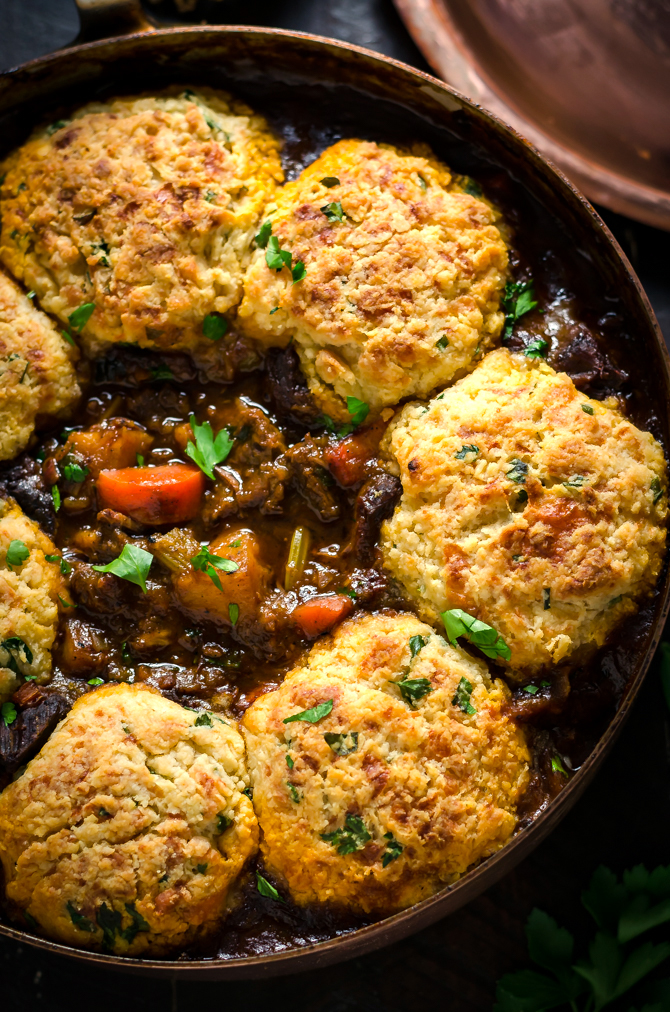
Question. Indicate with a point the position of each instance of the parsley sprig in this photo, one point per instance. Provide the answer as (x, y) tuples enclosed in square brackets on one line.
[(208, 451), (17, 553), (518, 299), (351, 837), (133, 565), (208, 563), (277, 258), (358, 412), (458, 623), (313, 715), (623, 911), (333, 212)]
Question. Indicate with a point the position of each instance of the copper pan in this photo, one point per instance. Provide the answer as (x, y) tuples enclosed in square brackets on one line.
[(368, 95), (587, 81)]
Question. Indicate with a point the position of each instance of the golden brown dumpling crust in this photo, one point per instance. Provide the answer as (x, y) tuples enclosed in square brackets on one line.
[(434, 788), (145, 206), (36, 372), (29, 592), (399, 296), (128, 831), (551, 529)]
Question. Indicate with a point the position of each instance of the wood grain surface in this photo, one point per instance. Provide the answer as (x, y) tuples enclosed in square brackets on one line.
[(623, 819)]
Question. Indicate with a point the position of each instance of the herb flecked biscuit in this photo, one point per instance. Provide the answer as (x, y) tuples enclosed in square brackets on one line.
[(29, 591), (407, 780), (128, 831), (145, 207), (403, 275), (36, 372), (527, 504)]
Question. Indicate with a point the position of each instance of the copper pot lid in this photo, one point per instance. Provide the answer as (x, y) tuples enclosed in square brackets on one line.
[(587, 81)]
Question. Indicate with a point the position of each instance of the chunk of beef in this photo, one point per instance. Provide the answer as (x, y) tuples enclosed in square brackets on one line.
[(25, 482), (375, 503), (586, 364), (309, 474), (132, 367), (103, 593), (25, 736), (287, 386)]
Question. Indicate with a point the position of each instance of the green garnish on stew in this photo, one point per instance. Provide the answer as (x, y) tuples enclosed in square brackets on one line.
[(313, 715), (266, 888), (657, 489), (536, 348), (587, 408), (294, 792), (465, 450), (207, 562), (462, 697), (333, 212), (518, 472), (208, 451), (80, 317), (416, 644), (518, 299), (19, 650), (458, 623), (393, 850), (264, 233), (442, 343), (233, 613), (77, 918), (214, 326), (55, 496), (352, 837), (557, 766), (8, 713), (133, 565), (342, 742), (203, 719), (17, 553), (414, 689), (74, 472)]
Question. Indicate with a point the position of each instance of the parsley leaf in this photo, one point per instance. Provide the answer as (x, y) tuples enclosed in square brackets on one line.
[(518, 472), (266, 888), (414, 689), (342, 743), (358, 410), (133, 565), (223, 822), (74, 472), (313, 715), (442, 343), (55, 496), (208, 451), (109, 920), (393, 850), (233, 613), (8, 713), (264, 233), (289, 761), (275, 257), (587, 408), (575, 481), (657, 489), (203, 719), (471, 187), (208, 563), (294, 792), (462, 697), (137, 923), (94, 681), (17, 553), (214, 326), (518, 299), (18, 650), (352, 837), (416, 644), (536, 348), (333, 212), (330, 181), (80, 317), (78, 919), (557, 766), (459, 623), (465, 450), (298, 271)]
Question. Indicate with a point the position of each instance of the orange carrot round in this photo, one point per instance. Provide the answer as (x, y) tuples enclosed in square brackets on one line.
[(168, 494), (321, 613)]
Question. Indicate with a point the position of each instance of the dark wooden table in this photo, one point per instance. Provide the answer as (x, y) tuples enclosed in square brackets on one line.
[(624, 818)]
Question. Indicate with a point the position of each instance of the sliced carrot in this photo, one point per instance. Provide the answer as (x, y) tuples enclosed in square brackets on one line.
[(347, 458), (321, 613), (168, 494)]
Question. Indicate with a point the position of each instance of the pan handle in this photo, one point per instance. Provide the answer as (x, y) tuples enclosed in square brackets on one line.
[(101, 19)]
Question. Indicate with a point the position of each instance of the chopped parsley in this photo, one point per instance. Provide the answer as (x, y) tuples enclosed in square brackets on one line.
[(298, 271), (414, 689), (210, 196), (208, 563), (18, 650), (458, 623), (137, 923), (80, 317), (74, 472), (465, 450), (66, 604), (574, 481), (416, 644), (471, 187), (17, 553), (275, 257), (557, 766), (109, 921), (343, 742), (223, 822), (208, 451), (266, 888), (531, 689), (518, 472), (264, 233), (203, 719), (289, 762), (330, 181), (313, 715), (201, 869), (8, 713), (587, 408), (442, 343), (162, 372), (214, 326), (518, 299), (55, 496), (656, 489), (333, 212), (352, 837), (546, 597), (393, 850), (233, 613), (358, 410), (94, 681), (78, 918), (58, 125), (462, 697), (536, 348), (294, 792), (133, 565)]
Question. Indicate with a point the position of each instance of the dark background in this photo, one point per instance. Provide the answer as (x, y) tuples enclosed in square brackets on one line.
[(624, 817)]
